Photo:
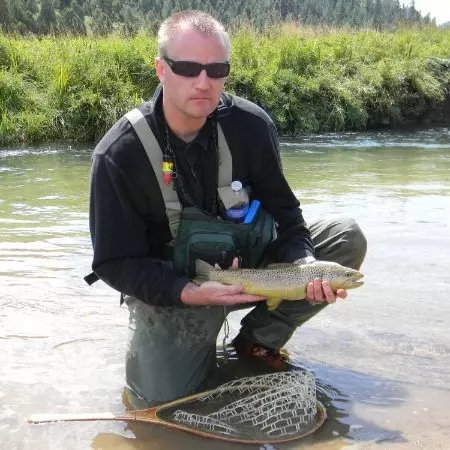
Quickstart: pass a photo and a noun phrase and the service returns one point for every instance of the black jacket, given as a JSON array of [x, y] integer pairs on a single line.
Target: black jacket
[[129, 228]]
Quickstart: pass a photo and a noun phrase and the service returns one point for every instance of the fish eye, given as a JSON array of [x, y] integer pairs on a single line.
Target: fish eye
[[348, 274]]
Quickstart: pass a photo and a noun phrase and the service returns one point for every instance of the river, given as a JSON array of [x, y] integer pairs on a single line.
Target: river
[[381, 357]]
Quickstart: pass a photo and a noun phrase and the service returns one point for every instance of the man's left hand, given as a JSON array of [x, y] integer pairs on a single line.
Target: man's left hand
[[319, 291]]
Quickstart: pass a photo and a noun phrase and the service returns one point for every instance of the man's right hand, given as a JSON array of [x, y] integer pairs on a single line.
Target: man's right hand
[[214, 293]]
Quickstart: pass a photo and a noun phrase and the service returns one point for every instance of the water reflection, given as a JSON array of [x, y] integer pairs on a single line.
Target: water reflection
[[358, 388]]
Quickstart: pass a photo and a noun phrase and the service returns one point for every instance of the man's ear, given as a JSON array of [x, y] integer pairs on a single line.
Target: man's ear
[[160, 69]]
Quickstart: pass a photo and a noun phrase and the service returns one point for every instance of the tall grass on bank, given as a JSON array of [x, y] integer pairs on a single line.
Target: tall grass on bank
[[74, 89]]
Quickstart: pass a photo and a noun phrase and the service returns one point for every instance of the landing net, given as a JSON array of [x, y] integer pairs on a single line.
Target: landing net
[[266, 407]]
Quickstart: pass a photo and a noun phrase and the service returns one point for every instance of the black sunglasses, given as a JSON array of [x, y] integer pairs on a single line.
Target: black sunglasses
[[193, 69]]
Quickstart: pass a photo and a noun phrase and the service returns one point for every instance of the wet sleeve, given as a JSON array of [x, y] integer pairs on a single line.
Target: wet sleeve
[[271, 187], [121, 243]]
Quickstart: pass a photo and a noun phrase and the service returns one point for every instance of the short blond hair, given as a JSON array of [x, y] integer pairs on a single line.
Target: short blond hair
[[196, 20]]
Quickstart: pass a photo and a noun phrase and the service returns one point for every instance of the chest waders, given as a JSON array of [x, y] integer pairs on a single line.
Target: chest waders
[[172, 349]]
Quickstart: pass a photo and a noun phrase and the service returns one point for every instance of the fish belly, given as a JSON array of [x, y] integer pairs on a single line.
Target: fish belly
[[276, 292]]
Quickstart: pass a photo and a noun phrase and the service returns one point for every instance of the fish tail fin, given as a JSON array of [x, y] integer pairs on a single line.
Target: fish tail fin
[[273, 303], [202, 271]]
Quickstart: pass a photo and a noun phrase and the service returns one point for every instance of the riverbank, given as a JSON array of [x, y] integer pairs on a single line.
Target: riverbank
[[74, 89]]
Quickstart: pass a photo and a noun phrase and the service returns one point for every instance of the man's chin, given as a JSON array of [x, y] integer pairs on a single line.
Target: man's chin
[[200, 113]]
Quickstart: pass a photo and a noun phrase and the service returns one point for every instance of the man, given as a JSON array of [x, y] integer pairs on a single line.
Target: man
[[174, 323]]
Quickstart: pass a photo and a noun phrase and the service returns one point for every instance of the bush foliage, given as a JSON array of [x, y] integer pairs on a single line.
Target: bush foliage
[[75, 88]]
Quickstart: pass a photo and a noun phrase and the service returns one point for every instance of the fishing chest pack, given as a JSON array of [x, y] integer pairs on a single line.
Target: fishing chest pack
[[216, 240]]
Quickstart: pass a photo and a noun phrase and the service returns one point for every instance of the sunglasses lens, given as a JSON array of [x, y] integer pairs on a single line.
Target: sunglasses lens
[[193, 69], [187, 68], [218, 70]]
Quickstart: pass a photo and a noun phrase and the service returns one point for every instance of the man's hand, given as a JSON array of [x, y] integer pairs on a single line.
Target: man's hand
[[319, 291], [214, 293]]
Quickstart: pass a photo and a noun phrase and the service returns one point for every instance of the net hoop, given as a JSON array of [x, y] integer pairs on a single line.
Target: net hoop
[[272, 408], [321, 418]]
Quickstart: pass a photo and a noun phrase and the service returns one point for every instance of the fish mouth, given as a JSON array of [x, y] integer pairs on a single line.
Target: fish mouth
[[354, 283]]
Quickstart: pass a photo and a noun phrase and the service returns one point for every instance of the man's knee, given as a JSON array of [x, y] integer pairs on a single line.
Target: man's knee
[[340, 239], [356, 241]]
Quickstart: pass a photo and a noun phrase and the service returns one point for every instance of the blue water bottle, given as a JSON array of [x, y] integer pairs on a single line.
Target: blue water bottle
[[239, 207]]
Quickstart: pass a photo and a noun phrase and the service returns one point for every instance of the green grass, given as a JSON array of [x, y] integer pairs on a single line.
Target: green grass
[[309, 80]]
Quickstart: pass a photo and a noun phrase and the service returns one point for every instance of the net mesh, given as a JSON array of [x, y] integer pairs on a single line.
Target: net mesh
[[268, 406]]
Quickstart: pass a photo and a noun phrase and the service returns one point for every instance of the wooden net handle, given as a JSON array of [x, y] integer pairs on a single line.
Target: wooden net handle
[[44, 418], [147, 415]]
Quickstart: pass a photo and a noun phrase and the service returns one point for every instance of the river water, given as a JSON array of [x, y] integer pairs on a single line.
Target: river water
[[381, 357]]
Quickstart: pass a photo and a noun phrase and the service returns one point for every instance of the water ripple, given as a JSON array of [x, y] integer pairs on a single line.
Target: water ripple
[[438, 138]]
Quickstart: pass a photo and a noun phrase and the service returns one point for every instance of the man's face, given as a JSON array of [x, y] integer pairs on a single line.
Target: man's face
[[193, 97]]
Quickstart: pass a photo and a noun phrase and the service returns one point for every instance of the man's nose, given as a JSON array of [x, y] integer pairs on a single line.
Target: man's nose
[[202, 81]]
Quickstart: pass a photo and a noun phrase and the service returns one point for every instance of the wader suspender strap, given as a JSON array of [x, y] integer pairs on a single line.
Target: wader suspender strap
[[150, 144], [155, 155], [225, 160]]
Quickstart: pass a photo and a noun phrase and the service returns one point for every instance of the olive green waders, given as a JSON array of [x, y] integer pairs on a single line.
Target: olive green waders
[[172, 350]]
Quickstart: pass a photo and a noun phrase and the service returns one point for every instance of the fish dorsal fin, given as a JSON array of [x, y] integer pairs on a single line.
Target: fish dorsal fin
[[202, 267], [279, 266], [202, 271]]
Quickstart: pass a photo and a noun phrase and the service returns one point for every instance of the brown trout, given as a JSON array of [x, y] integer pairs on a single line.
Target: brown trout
[[281, 281]]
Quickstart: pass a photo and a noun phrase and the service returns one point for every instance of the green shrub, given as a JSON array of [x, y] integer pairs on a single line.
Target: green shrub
[[309, 80]]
